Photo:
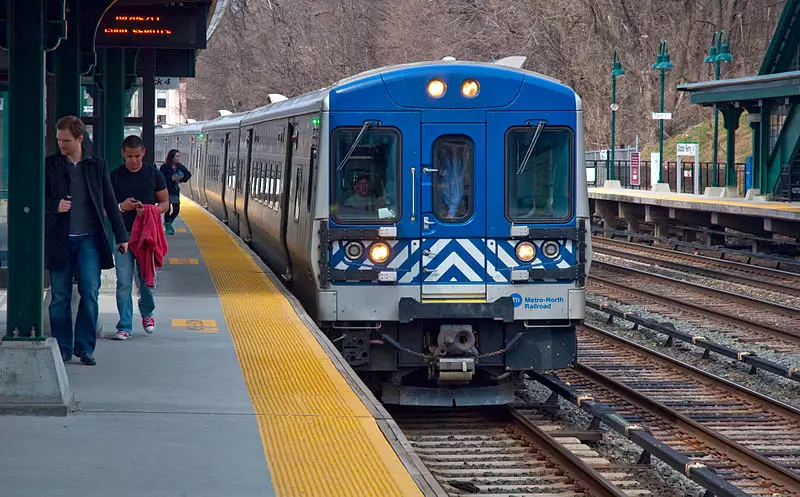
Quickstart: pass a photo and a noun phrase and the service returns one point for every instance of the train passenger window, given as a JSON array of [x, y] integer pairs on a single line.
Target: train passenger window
[[366, 186], [540, 190], [298, 181], [452, 181]]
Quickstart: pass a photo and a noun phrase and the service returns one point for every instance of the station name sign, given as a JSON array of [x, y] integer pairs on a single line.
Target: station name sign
[[153, 27]]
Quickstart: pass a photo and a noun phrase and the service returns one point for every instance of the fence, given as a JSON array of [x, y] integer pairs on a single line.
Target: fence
[[598, 171]]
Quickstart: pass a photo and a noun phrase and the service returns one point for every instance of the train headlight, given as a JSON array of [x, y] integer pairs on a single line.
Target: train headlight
[[551, 250], [525, 251], [354, 250], [379, 252], [469, 88], [436, 88]]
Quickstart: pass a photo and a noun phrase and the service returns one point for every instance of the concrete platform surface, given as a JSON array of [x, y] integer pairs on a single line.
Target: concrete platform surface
[[789, 211], [166, 415]]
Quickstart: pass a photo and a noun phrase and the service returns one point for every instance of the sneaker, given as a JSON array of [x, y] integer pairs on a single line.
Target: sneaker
[[121, 335], [169, 229], [149, 325], [88, 359], [66, 357]]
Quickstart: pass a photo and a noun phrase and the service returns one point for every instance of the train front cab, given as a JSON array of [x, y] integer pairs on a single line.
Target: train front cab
[[456, 257]]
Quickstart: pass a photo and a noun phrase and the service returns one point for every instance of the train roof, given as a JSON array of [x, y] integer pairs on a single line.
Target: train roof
[[398, 67], [224, 122], [317, 100], [302, 104]]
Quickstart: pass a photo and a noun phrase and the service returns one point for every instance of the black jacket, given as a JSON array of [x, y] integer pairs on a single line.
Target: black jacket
[[56, 226], [172, 187]]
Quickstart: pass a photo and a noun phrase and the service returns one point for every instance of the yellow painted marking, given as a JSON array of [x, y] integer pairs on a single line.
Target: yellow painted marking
[[318, 437], [183, 260], [180, 230], [200, 325]]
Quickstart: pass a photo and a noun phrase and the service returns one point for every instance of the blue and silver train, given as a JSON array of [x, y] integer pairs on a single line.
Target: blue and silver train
[[431, 217]]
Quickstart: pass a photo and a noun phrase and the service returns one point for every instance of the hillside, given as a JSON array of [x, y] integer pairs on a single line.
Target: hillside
[[703, 133], [294, 47]]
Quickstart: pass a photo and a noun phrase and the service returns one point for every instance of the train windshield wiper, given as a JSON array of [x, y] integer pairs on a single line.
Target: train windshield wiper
[[524, 163], [364, 128]]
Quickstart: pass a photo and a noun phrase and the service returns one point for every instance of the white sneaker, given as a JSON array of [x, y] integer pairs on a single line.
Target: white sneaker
[[121, 335]]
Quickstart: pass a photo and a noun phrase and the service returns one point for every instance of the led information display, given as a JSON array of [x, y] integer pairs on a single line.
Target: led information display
[[153, 27]]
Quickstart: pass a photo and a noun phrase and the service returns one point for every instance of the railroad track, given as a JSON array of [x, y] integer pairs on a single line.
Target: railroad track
[[749, 439], [732, 271], [502, 451], [746, 319]]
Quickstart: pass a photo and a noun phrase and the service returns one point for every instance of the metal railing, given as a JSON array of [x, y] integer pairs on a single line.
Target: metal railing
[[671, 174]]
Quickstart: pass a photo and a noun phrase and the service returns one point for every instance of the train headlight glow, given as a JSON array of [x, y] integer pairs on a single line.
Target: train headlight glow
[[379, 252], [470, 88], [551, 250], [525, 251], [354, 250], [436, 88]]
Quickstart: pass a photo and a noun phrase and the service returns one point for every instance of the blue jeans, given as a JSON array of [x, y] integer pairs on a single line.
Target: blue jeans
[[84, 258], [126, 265]]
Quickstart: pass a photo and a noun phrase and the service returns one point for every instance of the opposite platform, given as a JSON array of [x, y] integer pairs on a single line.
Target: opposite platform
[[740, 206], [182, 412]]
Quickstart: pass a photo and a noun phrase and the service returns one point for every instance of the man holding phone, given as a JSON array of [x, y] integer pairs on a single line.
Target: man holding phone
[[77, 191], [135, 185]]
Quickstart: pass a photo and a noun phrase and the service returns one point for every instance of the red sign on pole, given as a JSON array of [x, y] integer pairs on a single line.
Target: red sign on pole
[[635, 168]]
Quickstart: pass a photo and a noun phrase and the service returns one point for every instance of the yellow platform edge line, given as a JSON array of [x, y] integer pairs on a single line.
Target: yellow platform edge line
[[321, 442]]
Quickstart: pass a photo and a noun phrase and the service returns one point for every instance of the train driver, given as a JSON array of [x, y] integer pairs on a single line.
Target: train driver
[[363, 199]]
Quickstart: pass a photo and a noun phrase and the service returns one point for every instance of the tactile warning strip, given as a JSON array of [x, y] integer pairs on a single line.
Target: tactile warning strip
[[318, 436]]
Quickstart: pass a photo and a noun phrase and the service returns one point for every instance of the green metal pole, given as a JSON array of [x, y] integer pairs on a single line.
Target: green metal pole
[[68, 77], [26, 175], [113, 106], [756, 144], [732, 122], [714, 170], [661, 134], [613, 118]]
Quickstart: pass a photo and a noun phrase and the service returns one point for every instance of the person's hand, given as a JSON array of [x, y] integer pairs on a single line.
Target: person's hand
[[140, 209], [129, 204], [122, 247], [64, 205]]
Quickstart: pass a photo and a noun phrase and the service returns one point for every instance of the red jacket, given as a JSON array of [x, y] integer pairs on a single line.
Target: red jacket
[[148, 243]]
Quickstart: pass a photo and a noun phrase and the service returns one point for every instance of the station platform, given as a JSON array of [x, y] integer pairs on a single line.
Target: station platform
[[237, 394], [666, 209]]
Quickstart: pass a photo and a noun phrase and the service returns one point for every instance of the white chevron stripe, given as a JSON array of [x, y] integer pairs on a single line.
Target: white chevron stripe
[[494, 273], [505, 258], [399, 259], [342, 265], [453, 260], [563, 264], [473, 251]]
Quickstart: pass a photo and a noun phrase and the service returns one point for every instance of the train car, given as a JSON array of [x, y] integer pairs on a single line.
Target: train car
[[431, 217]]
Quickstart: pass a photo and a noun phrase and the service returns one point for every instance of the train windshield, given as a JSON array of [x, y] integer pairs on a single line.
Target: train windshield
[[366, 186], [541, 190]]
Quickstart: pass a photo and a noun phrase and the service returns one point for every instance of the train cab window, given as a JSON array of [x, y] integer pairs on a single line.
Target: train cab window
[[540, 188], [452, 178], [366, 172]]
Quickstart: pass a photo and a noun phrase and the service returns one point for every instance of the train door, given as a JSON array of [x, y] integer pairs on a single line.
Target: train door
[[243, 184], [453, 211]]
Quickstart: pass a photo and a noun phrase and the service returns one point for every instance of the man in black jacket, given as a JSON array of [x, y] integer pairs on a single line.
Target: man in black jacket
[[77, 192]]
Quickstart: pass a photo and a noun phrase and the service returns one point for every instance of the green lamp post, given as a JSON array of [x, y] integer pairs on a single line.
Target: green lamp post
[[717, 54], [616, 71], [662, 65]]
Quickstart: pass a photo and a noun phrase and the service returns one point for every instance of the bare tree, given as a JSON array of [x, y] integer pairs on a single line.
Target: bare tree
[[294, 46]]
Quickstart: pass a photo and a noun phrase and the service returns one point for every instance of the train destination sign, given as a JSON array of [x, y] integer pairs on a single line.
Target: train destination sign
[[153, 27]]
